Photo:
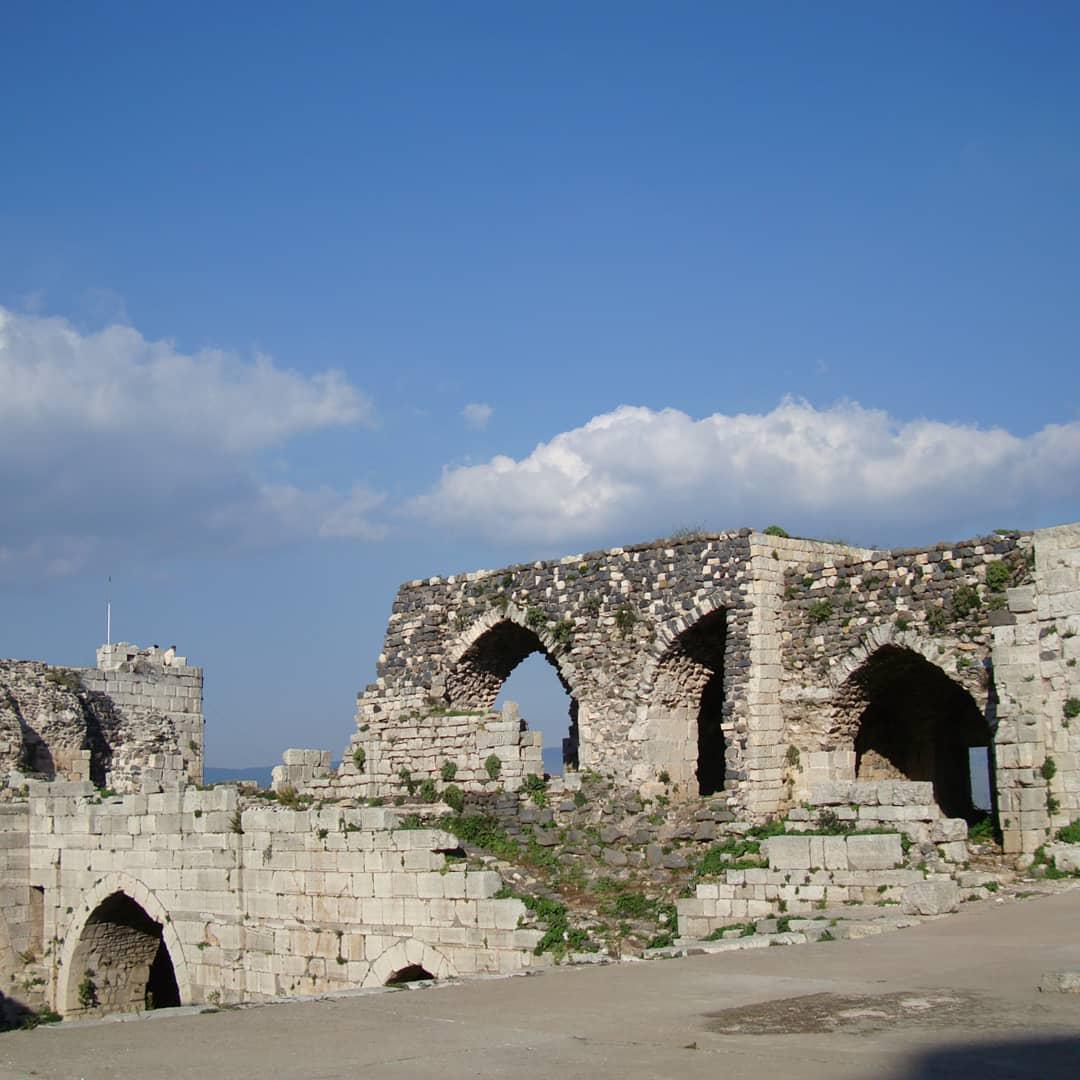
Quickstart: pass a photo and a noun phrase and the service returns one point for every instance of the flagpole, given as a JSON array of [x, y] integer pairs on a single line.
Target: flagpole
[[108, 613]]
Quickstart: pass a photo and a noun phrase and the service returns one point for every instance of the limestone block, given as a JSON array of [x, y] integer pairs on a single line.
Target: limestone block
[[948, 830], [874, 852], [830, 794], [930, 898], [1060, 982], [1066, 857], [785, 853], [835, 853]]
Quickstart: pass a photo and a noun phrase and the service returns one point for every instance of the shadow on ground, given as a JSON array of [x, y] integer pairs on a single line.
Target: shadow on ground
[[1006, 1059]]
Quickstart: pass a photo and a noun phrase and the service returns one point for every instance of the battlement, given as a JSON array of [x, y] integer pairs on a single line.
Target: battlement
[[123, 656]]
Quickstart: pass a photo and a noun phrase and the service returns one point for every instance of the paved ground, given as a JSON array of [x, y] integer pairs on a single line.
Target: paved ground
[[952, 998]]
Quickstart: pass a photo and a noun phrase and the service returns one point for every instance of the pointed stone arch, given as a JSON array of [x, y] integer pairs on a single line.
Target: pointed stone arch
[[403, 955], [481, 659], [960, 663], [902, 716], [684, 722], [98, 900]]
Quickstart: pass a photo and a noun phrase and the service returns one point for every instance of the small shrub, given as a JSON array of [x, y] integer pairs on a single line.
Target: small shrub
[[829, 822], [536, 788], [937, 619], [820, 611], [625, 618], [87, 991], [65, 678], [493, 766], [535, 618], [359, 758], [454, 797], [1048, 770], [664, 776], [776, 530], [427, 792], [1070, 834], [1072, 708], [564, 633], [982, 830], [965, 601], [448, 771], [997, 576], [287, 795], [902, 623], [579, 799], [407, 780], [236, 822], [792, 756]]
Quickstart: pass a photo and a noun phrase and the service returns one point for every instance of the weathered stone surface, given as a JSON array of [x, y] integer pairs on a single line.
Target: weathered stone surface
[[1060, 982], [930, 898], [874, 852]]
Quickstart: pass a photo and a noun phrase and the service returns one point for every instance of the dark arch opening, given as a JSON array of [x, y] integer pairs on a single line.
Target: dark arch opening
[[478, 677], [918, 724], [412, 973], [121, 963], [704, 644], [690, 689]]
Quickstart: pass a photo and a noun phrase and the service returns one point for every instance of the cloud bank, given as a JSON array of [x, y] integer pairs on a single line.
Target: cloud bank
[[108, 439], [842, 471]]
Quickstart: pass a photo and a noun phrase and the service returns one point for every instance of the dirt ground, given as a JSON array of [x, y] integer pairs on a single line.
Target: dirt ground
[[956, 997]]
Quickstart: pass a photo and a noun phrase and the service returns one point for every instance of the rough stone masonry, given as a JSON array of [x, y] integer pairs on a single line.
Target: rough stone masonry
[[769, 672]]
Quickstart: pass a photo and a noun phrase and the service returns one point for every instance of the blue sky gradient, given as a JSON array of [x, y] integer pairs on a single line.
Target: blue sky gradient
[[551, 211]]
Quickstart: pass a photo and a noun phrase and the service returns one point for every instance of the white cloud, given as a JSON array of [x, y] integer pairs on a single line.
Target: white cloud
[[844, 470], [108, 440], [476, 415]]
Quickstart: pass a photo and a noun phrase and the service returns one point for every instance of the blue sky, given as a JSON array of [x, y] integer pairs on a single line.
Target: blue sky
[[297, 305]]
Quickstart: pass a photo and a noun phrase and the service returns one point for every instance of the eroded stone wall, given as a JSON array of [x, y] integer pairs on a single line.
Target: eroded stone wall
[[610, 623], [130, 723], [252, 901]]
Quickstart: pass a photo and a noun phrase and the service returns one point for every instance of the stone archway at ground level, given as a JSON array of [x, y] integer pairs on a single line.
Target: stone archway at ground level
[[408, 961], [121, 953], [906, 719]]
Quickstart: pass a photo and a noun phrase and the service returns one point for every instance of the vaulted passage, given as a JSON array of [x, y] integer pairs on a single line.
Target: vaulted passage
[[690, 713], [478, 677], [121, 963], [916, 723]]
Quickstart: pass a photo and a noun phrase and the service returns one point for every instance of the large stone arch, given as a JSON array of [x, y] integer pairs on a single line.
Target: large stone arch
[[901, 715], [481, 658], [69, 968], [954, 657], [403, 955], [684, 721]]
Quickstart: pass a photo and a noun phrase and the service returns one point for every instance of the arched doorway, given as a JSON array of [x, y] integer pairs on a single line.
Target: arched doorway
[[477, 678], [121, 962], [688, 706], [410, 973], [910, 721]]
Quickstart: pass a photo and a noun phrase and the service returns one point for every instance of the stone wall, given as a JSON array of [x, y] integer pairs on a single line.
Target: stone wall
[[754, 664], [612, 623], [132, 722], [159, 698], [1038, 687], [251, 901]]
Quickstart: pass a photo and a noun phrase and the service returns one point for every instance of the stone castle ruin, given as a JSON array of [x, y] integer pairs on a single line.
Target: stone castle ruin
[[738, 678]]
